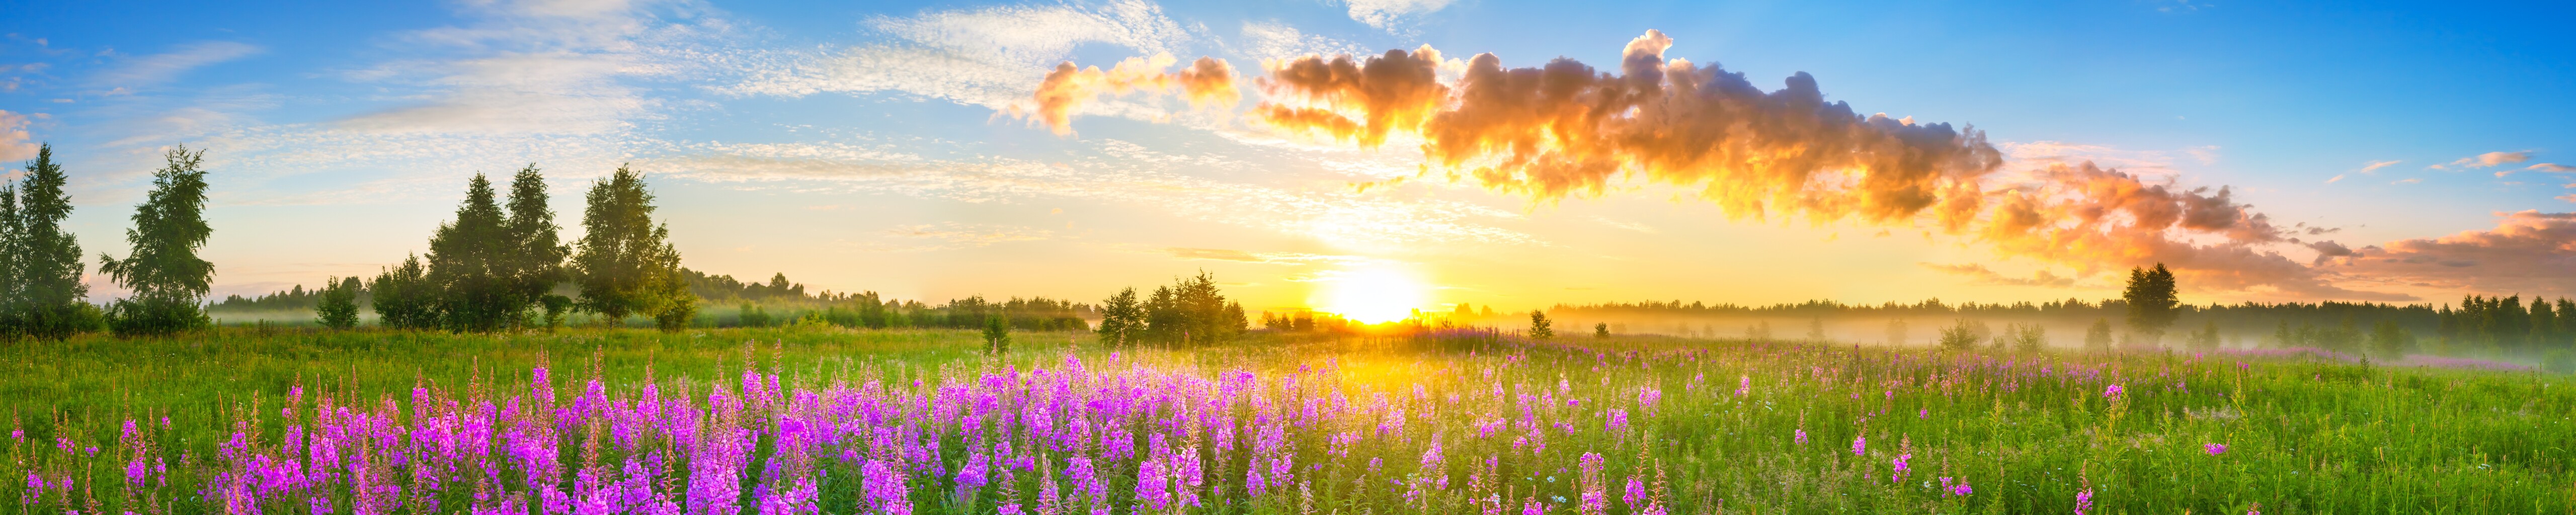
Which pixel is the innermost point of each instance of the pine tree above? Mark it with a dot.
(997, 336)
(468, 264)
(169, 281)
(1539, 327)
(339, 308)
(535, 256)
(45, 291)
(1121, 320)
(625, 263)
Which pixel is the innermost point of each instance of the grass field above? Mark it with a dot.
(812, 420)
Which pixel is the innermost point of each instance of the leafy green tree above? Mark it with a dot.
(625, 264)
(169, 281)
(2152, 301)
(2391, 341)
(997, 335)
(404, 297)
(1539, 327)
(44, 292)
(2205, 339)
(339, 307)
(469, 264)
(2030, 338)
(1961, 335)
(2098, 337)
(1600, 330)
(1121, 320)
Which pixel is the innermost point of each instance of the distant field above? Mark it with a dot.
(811, 420)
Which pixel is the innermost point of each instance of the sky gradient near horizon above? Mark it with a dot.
(876, 145)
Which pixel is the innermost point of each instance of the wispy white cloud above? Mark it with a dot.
(1272, 258)
(2374, 166)
(2484, 160)
(2552, 167)
(953, 235)
(1392, 15)
(1113, 171)
(991, 57)
(1266, 40)
(160, 68)
(544, 67)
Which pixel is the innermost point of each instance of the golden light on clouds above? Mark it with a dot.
(1374, 294)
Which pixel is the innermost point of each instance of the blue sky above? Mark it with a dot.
(869, 146)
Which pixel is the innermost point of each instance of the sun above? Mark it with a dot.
(1373, 295)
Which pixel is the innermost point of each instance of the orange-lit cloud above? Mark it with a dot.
(1207, 81)
(2486, 160)
(15, 143)
(1568, 129)
(2529, 252)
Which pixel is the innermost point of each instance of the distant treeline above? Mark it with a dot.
(2508, 323)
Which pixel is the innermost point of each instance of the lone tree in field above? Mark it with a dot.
(40, 265)
(997, 335)
(1600, 330)
(1122, 319)
(168, 279)
(339, 306)
(2152, 301)
(626, 265)
(1539, 329)
(1961, 336)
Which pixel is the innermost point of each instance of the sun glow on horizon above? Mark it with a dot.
(1373, 295)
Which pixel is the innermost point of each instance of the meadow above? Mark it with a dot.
(812, 419)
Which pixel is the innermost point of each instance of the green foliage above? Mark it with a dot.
(169, 281)
(752, 316)
(625, 264)
(2388, 340)
(2152, 299)
(339, 306)
(2028, 338)
(1122, 319)
(1600, 330)
(1962, 335)
(404, 297)
(1539, 327)
(2097, 338)
(2207, 337)
(40, 265)
(1190, 311)
(997, 336)
(2560, 361)
(468, 264)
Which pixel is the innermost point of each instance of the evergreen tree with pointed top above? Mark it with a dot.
(169, 281)
(536, 252)
(468, 264)
(45, 293)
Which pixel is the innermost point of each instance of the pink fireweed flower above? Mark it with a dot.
(2214, 448)
(1860, 445)
(1800, 437)
(1743, 385)
(2083, 501)
(1925, 413)
(2113, 391)
(1960, 489)
(1618, 420)
(1901, 470)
